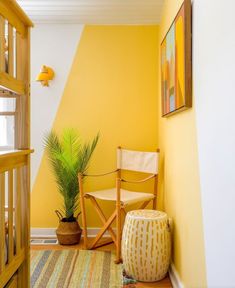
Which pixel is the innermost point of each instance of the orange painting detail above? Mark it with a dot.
(179, 59)
(173, 66)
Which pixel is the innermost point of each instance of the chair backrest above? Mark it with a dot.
(146, 162)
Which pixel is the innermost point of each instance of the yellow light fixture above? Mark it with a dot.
(46, 74)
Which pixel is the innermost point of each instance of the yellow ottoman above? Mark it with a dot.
(146, 245)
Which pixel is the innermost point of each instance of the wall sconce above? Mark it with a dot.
(46, 74)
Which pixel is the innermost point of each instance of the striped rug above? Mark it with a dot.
(74, 269)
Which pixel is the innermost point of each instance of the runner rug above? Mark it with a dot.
(74, 268)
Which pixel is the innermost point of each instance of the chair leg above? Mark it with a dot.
(155, 203)
(124, 211)
(118, 221)
(102, 230)
(82, 203)
(119, 235)
(103, 218)
(144, 204)
(155, 192)
(84, 224)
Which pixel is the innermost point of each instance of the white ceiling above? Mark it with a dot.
(93, 11)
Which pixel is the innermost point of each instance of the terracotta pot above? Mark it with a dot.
(69, 233)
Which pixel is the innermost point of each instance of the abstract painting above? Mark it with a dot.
(176, 64)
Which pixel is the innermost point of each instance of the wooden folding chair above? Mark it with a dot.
(145, 162)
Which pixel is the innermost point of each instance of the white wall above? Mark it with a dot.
(214, 80)
(55, 46)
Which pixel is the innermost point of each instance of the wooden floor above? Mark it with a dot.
(165, 283)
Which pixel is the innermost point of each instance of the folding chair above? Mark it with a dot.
(145, 162)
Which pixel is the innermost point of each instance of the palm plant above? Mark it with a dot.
(68, 156)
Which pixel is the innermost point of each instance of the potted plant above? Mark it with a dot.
(68, 156)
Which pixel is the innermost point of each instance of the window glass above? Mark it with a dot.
(7, 132)
(7, 104)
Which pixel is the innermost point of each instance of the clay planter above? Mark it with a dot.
(68, 233)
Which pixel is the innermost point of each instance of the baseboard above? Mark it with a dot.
(174, 276)
(50, 232)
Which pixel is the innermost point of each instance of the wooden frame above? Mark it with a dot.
(116, 215)
(15, 165)
(176, 63)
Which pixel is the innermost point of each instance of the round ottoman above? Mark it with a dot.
(146, 245)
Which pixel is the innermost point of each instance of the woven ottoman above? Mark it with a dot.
(146, 245)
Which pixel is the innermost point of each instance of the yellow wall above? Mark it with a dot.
(112, 89)
(180, 186)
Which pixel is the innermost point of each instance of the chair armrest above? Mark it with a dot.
(98, 175)
(139, 181)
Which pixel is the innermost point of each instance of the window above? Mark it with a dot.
(7, 123)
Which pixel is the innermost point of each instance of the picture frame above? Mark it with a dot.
(176, 63)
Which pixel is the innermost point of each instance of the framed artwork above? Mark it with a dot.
(176, 63)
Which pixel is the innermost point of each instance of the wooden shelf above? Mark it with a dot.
(11, 83)
(13, 159)
(15, 152)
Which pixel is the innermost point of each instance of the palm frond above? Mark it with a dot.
(86, 153)
(68, 156)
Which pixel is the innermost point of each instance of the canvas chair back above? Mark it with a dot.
(146, 162)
